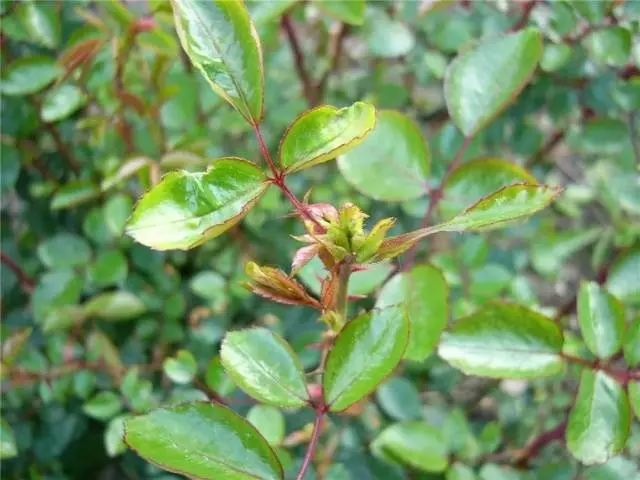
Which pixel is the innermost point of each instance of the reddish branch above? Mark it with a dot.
(321, 410)
(435, 196)
(622, 376)
(555, 138)
(539, 442)
(526, 13)
(333, 63)
(26, 282)
(308, 88)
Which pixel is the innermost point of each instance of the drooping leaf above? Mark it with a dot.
(632, 343)
(181, 368)
(324, 133)
(392, 163)
(349, 11)
(222, 43)
(61, 103)
(478, 178)
(28, 75)
(415, 444)
(424, 293)
(504, 341)
(264, 366)
(366, 350)
(186, 209)
(601, 319)
(481, 82)
(600, 419)
(202, 440)
(269, 421)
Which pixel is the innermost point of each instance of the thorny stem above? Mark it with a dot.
(435, 196)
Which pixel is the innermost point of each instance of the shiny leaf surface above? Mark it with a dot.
(264, 366)
(424, 293)
(61, 103)
(324, 133)
(600, 419)
(222, 43)
(601, 319)
(202, 440)
(186, 209)
(481, 82)
(28, 75)
(392, 163)
(365, 352)
(504, 341)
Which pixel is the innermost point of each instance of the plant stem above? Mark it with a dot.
(343, 29)
(308, 88)
(344, 271)
(435, 196)
(313, 444)
(527, 8)
(26, 282)
(622, 376)
(532, 449)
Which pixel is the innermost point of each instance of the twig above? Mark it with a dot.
(26, 282)
(622, 376)
(524, 19)
(539, 442)
(313, 444)
(343, 30)
(298, 57)
(435, 196)
(549, 145)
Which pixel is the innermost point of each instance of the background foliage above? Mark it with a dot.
(99, 101)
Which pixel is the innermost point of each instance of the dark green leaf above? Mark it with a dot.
(202, 440)
(263, 365)
(115, 306)
(74, 193)
(28, 75)
(480, 83)
(222, 43)
(349, 11)
(187, 209)
(415, 444)
(323, 133)
(366, 351)
(504, 341)
(601, 318)
(600, 419)
(424, 293)
(393, 162)
(64, 250)
(623, 280)
(632, 343)
(61, 103)
(55, 289)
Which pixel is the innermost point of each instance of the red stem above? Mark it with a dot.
(321, 410)
(308, 88)
(622, 376)
(436, 195)
(526, 13)
(26, 281)
(532, 449)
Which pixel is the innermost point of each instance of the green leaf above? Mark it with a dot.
(269, 421)
(115, 306)
(600, 419)
(611, 45)
(202, 440)
(64, 250)
(481, 82)
(504, 341)
(263, 365)
(41, 22)
(74, 193)
(55, 289)
(263, 12)
(103, 406)
(388, 37)
(415, 444)
(392, 163)
(223, 44)
(601, 319)
(632, 343)
(186, 209)
(634, 397)
(28, 75)
(349, 11)
(366, 351)
(424, 293)
(13, 344)
(109, 268)
(400, 399)
(117, 211)
(556, 56)
(217, 379)
(126, 170)
(324, 133)
(113, 442)
(9, 167)
(475, 179)
(623, 280)
(61, 103)
(459, 471)
(8, 448)
(180, 368)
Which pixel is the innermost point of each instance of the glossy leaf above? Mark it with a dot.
(186, 209)
(365, 352)
(623, 281)
(632, 343)
(180, 368)
(41, 22)
(478, 178)
(504, 341)
(8, 448)
(269, 421)
(217, 379)
(28, 75)
(415, 444)
(103, 406)
(323, 133)
(611, 45)
(264, 366)
(400, 399)
(113, 442)
(61, 103)
(126, 170)
(481, 82)
(222, 43)
(392, 163)
(115, 306)
(202, 440)
(349, 11)
(601, 319)
(424, 293)
(600, 419)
